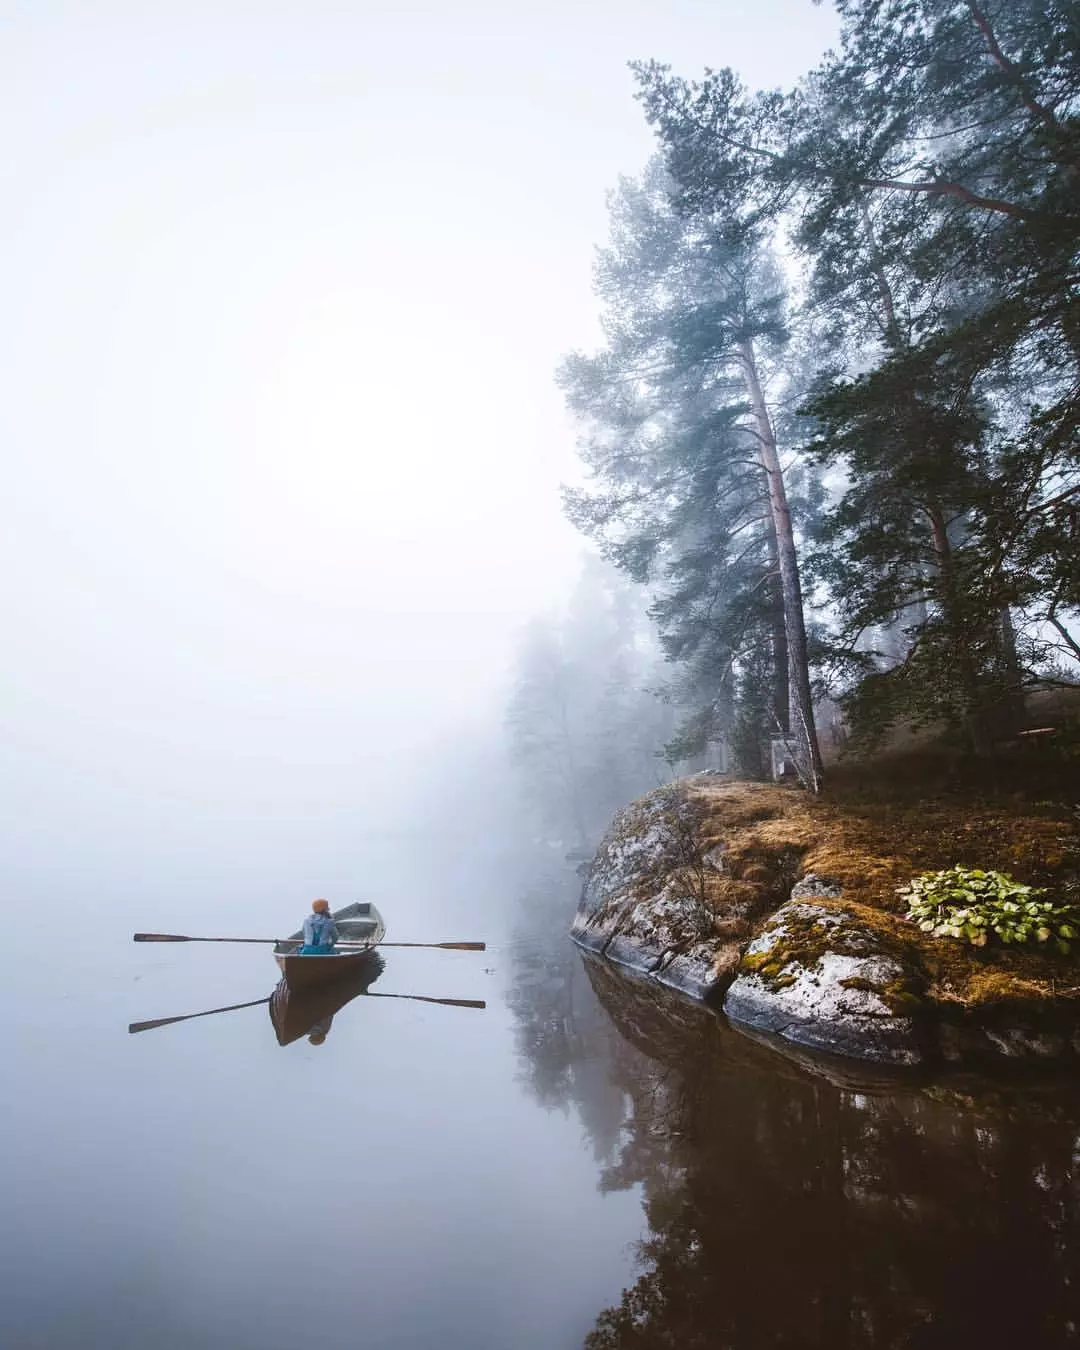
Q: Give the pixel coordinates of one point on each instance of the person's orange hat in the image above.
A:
(320, 906)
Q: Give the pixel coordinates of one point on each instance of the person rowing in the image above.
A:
(320, 931)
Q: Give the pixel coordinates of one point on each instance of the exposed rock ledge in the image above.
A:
(709, 889)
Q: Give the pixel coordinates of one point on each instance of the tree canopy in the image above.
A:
(867, 281)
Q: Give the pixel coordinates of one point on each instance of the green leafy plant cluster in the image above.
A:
(966, 903)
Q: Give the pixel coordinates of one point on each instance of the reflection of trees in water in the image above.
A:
(792, 1210)
(565, 1039)
(788, 1211)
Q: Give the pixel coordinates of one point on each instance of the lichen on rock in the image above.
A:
(645, 903)
(792, 902)
(824, 977)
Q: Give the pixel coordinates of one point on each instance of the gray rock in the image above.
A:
(634, 953)
(645, 843)
(812, 887)
(969, 1041)
(703, 972)
(594, 933)
(836, 999)
(635, 910)
(1019, 1042)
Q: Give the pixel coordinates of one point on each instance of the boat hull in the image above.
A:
(359, 922)
(308, 972)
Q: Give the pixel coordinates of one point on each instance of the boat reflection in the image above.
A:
(311, 1012)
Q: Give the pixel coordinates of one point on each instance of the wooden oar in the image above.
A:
(418, 998)
(442, 946)
(425, 998)
(164, 1021)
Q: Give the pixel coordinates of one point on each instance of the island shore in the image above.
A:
(782, 909)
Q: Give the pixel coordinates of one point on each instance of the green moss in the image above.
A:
(900, 999)
(871, 833)
(801, 939)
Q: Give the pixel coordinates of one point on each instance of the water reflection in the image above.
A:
(296, 1013)
(311, 1012)
(805, 1204)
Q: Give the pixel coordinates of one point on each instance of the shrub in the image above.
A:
(969, 904)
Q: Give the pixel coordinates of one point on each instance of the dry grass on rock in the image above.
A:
(872, 843)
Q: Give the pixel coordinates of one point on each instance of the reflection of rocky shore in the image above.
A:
(787, 1211)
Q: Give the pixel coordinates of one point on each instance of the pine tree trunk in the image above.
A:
(790, 585)
(781, 659)
(971, 694)
(1014, 707)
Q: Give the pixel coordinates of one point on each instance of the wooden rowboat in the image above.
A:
(360, 922)
(305, 1012)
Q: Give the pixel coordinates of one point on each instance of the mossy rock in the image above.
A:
(823, 975)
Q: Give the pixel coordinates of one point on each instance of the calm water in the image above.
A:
(585, 1162)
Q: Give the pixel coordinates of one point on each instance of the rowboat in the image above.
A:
(359, 922)
(309, 1012)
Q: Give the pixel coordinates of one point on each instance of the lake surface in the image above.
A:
(588, 1161)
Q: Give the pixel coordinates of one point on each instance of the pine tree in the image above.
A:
(928, 172)
(688, 490)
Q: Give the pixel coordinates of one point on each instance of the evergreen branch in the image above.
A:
(1012, 71)
(1074, 647)
(738, 529)
(944, 187)
(1053, 501)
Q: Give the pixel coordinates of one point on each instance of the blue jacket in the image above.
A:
(319, 930)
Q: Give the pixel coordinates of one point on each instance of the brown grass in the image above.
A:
(881, 824)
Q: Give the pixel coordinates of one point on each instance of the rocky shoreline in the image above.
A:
(712, 890)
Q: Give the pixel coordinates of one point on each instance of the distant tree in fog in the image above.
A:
(585, 729)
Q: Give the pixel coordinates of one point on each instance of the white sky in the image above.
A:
(284, 289)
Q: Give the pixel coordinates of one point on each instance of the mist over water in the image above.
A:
(290, 609)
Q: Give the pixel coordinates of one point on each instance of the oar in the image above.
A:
(164, 1021)
(424, 998)
(418, 998)
(442, 946)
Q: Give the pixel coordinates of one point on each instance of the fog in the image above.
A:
(285, 286)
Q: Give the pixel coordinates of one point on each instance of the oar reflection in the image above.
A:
(310, 1012)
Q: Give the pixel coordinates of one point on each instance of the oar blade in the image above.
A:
(427, 998)
(133, 1027)
(189, 1017)
(160, 937)
(441, 946)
